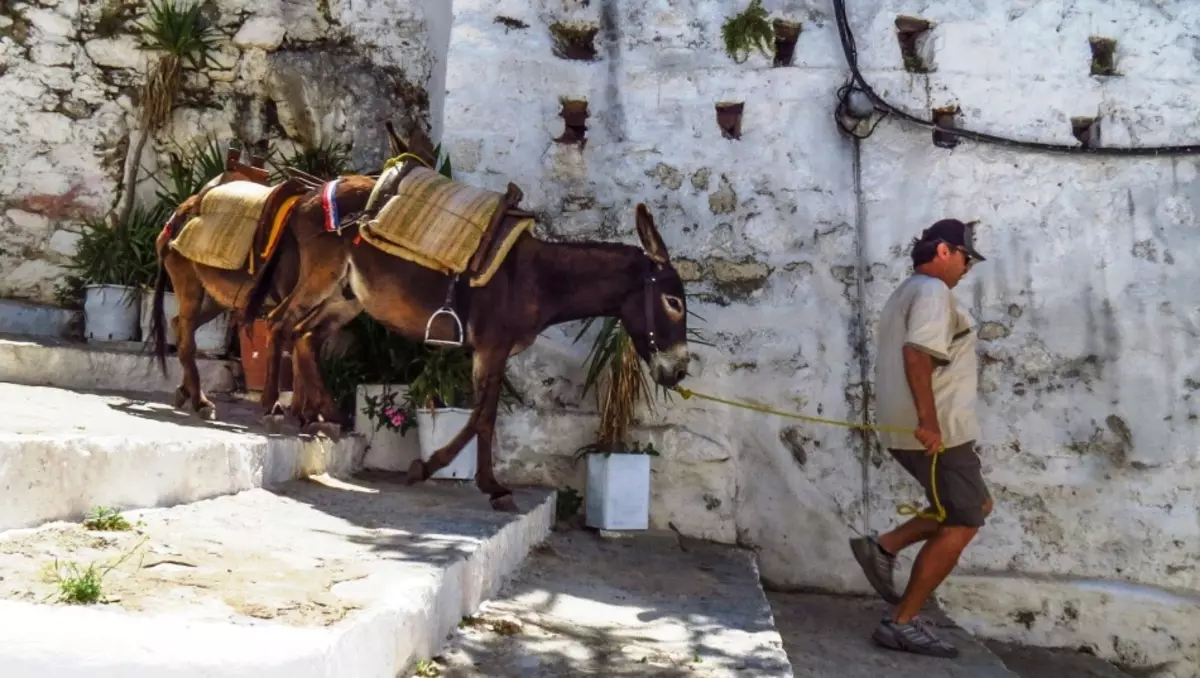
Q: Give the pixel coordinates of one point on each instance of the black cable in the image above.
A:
(860, 83)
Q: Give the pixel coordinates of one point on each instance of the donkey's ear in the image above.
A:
(420, 144)
(648, 234)
(394, 140)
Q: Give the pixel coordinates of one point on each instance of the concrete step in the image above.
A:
(586, 605)
(115, 366)
(38, 320)
(828, 635)
(64, 452)
(319, 579)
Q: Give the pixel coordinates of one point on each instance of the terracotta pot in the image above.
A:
(253, 342)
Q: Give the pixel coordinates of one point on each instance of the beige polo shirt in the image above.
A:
(923, 313)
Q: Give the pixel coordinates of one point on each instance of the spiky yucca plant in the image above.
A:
(182, 36)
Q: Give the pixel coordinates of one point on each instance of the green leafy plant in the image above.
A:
(183, 37)
(84, 585)
(105, 519)
(325, 161)
(746, 31)
(119, 256)
(188, 170)
(615, 370)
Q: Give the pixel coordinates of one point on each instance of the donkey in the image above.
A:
(539, 284)
(204, 292)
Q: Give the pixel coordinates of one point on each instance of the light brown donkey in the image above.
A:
(531, 284)
(234, 255)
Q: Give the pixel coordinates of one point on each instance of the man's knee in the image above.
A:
(987, 507)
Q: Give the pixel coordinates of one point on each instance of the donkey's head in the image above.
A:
(655, 315)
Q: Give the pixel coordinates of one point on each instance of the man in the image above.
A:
(925, 382)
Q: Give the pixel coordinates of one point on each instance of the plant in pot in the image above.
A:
(375, 374)
(186, 172)
(110, 264)
(618, 469)
(441, 396)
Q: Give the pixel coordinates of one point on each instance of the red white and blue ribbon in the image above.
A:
(333, 222)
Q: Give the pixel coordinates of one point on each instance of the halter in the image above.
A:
(648, 287)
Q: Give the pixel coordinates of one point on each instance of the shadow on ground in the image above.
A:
(585, 605)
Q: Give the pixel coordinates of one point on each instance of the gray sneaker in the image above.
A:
(877, 565)
(915, 637)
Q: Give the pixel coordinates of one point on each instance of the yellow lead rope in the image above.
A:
(903, 509)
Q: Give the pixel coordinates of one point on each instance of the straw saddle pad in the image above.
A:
(438, 223)
(222, 234)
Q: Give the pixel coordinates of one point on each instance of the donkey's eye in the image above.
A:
(674, 305)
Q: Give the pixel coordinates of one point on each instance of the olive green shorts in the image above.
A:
(959, 481)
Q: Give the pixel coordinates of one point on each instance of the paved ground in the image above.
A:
(830, 636)
(585, 605)
(1034, 662)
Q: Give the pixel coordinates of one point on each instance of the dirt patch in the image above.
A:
(164, 571)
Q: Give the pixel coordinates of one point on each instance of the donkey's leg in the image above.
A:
(420, 470)
(190, 293)
(489, 380)
(320, 408)
(273, 416)
(333, 317)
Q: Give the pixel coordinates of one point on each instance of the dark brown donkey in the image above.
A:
(539, 284)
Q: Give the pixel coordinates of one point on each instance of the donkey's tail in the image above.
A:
(158, 324)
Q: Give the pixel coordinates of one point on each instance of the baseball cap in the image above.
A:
(953, 232)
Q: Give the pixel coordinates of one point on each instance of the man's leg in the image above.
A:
(967, 502)
(877, 555)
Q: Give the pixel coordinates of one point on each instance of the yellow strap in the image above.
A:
(903, 509)
(281, 216)
(401, 158)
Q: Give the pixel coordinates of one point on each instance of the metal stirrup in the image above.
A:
(445, 310)
(442, 342)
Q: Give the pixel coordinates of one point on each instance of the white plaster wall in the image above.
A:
(763, 226)
(334, 70)
(1087, 309)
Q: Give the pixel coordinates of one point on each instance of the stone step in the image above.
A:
(64, 452)
(652, 605)
(318, 579)
(37, 320)
(113, 366)
(829, 635)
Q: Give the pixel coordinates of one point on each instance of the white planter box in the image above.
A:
(387, 450)
(437, 428)
(618, 491)
(210, 337)
(110, 312)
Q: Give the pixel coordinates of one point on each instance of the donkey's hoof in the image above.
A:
(273, 423)
(179, 399)
(207, 412)
(505, 504)
(416, 472)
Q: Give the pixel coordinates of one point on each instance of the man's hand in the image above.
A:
(930, 435)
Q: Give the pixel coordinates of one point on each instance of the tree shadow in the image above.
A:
(585, 605)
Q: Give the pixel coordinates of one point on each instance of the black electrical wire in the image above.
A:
(860, 83)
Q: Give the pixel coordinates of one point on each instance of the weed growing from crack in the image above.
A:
(105, 519)
(83, 586)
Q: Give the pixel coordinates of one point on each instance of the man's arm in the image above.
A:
(918, 368)
(927, 343)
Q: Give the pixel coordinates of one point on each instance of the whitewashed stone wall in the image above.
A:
(1087, 308)
(288, 71)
